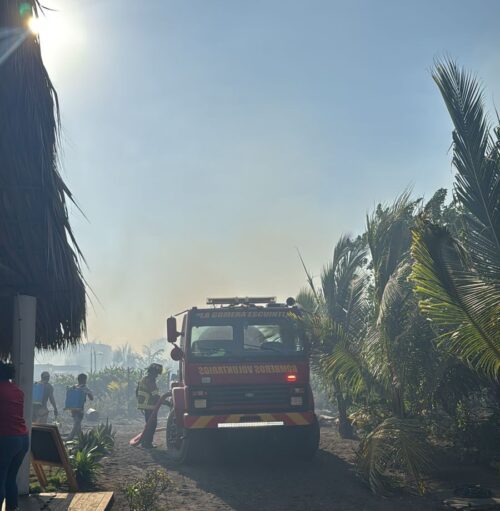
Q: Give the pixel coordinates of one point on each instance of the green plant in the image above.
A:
(394, 444)
(143, 495)
(100, 439)
(458, 279)
(106, 433)
(85, 465)
(56, 480)
(336, 317)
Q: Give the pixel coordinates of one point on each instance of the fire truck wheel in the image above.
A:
(179, 445)
(310, 441)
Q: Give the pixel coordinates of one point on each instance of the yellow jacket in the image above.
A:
(147, 393)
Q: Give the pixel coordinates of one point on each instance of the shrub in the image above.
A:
(143, 495)
(101, 440)
(85, 465)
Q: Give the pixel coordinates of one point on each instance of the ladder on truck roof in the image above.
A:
(236, 300)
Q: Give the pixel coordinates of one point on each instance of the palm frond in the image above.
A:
(358, 308)
(345, 365)
(338, 278)
(307, 300)
(395, 294)
(395, 443)
(388, 237)
(476, 159)
(458, 301)
(435, 204)
(310, 280)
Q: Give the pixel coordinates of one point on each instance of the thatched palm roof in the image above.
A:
(38, 253)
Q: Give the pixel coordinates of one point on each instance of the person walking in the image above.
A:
(46, 392)
(14, 438)
(148, 395)
(78, 413)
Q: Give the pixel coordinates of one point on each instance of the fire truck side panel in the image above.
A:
(179, 401)
(248, 373)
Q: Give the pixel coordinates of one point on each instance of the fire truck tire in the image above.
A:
(309, 444)
(179, 444)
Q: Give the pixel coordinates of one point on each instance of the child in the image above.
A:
(77, 414)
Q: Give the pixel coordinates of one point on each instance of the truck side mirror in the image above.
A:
(172, 333)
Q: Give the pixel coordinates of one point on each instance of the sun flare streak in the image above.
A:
(10, 42)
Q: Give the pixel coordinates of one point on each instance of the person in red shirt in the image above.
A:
(14, 439)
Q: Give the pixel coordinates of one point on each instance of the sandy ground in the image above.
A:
(249, 483)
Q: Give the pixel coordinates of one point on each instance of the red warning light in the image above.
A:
(291, 378)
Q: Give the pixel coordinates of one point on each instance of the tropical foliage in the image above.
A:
(100, 440)
(458, 279)
(404, 321)
(87, 451)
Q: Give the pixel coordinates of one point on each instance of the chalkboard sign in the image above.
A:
(47, 448)
(44, 445)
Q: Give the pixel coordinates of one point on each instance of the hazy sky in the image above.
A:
(206, 140)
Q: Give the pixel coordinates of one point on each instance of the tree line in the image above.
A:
(404, 319)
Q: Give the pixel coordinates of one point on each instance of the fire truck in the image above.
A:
(243, 370)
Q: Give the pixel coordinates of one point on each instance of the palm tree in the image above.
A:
(388, 236)
(124, 356)
(371, 339)
(38, 252)
(151, 355)
(458, 280)
(337, 317)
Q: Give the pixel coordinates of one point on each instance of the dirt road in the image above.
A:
(326, 484)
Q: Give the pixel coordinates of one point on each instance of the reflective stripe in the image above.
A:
(202, 421)
(146, 407)
(298, 418)
(213, 421)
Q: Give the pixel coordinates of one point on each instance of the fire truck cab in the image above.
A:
(243, 368)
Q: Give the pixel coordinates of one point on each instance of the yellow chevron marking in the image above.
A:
(202, 421)
(298, 419)
(233, 418)
(267, 417)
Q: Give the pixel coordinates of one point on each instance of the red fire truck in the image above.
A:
(243, 369)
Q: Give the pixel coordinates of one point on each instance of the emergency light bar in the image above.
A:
(236, 300)
(249, 424)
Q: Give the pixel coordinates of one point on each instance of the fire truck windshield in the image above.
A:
(236, 338)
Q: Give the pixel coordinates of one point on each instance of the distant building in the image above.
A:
(53, 369)
(93, 356)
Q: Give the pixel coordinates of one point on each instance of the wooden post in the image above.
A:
(23, 357)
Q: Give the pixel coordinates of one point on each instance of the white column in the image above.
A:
(23, 357)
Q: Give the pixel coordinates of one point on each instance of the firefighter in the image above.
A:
(40, 410)
(147, 394)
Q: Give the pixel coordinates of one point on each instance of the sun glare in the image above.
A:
(34, 25)
(61, 36)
